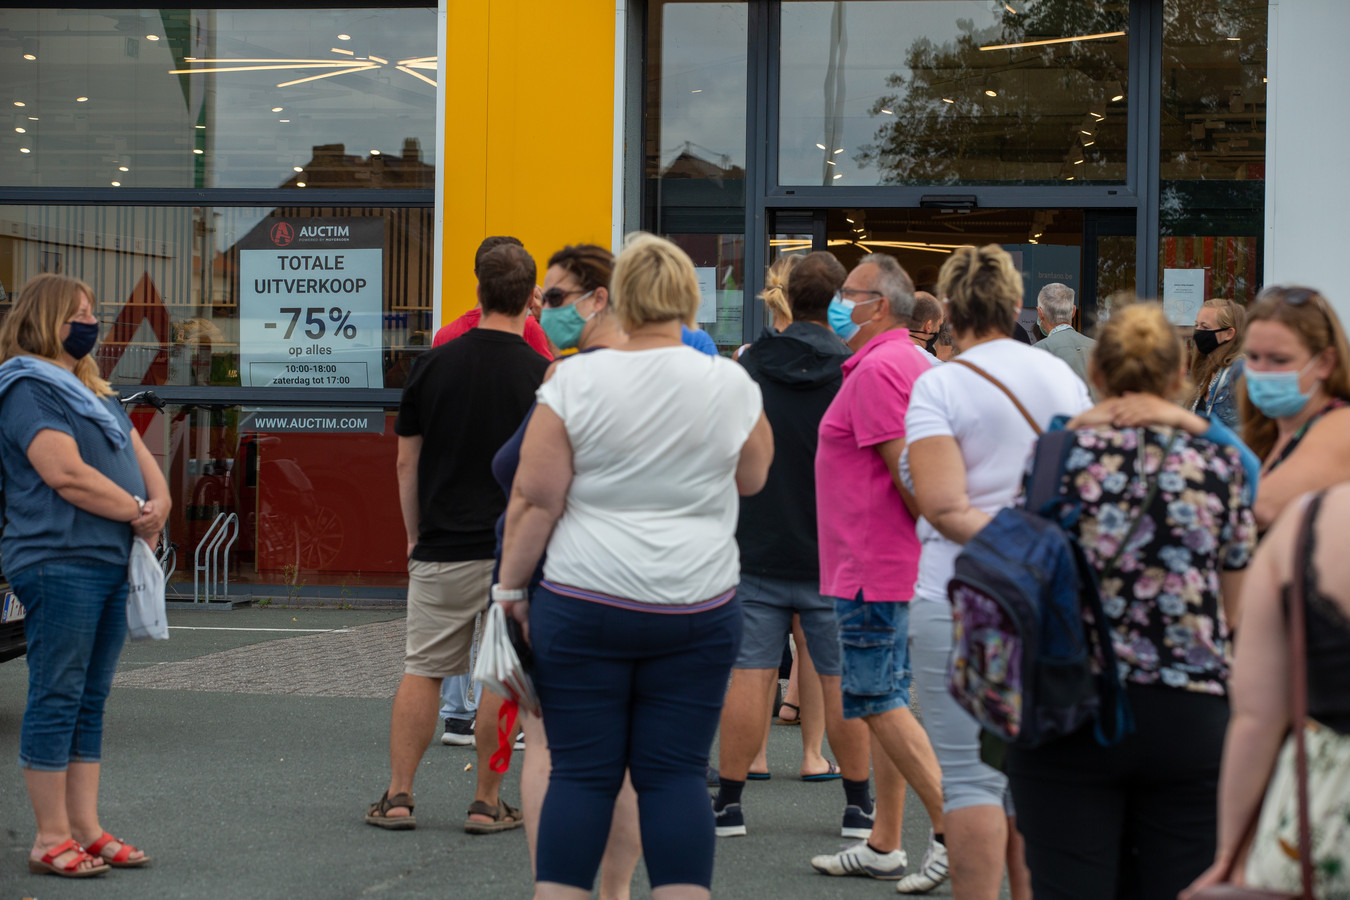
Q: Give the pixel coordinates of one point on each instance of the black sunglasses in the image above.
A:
(555, 296)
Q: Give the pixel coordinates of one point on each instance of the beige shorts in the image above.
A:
(443, 599)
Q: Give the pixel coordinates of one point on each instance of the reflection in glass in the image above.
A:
(976, 92)
(1213, 163)
(695, 105)
(719, 260)
(220, 98)
(167, 282)
(303, 520)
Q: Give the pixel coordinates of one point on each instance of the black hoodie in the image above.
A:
(798, 372)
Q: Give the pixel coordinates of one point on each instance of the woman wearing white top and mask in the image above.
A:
(629, 475)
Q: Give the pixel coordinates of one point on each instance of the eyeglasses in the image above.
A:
(555, 296)
(876, 295)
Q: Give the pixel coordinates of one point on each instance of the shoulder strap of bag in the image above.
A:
(1298, 682)
(1002, 387)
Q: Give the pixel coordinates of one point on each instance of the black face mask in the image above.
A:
(82, 338)
(1207, 341)
(931, 345)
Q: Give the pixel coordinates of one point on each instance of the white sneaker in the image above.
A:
(860, 859)
(932, 872)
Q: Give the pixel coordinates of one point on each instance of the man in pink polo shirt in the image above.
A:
(869, 559)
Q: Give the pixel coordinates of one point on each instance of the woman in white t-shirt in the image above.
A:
(969, 441)
(629, 474)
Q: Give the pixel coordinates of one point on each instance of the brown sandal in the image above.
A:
(504, 817)
(378, 814)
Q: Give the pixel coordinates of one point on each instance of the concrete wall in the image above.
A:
(1308, 127)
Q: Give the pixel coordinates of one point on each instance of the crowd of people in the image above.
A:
(660, 523)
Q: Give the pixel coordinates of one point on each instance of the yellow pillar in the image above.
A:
(529, 131)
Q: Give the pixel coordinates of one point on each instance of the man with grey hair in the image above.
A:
(869, 559)
(1054, 313)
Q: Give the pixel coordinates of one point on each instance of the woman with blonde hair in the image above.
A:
(78, 485)
(967, 445)
(1295, 396)
(1216, 362)
(1164, 519)
(775, 297)
(629, 475)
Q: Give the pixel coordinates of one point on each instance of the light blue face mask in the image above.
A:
(841, 318)
(1277, 394)
(564, 324)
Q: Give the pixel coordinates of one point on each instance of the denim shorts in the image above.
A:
(76, 626)
(875, 640)
(768, 605)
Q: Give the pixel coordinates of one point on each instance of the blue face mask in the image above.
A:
(82, 338)
(841, 318)
(1277, 394)
(564, 324)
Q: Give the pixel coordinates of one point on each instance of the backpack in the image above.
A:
(1027, 619)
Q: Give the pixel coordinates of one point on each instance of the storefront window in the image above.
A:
(1213, 163)
(285, 475)
(950, 91)
(239, 296)
(219, 98)
(695, 110)
(719, 260)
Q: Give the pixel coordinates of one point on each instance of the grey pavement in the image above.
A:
(242, 753)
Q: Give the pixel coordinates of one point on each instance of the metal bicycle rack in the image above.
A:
(216, 543)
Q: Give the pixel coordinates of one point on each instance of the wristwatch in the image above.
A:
(502, 595)
(140, 505)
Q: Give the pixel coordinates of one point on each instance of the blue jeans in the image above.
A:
(76, 626)
(875, 641)
(642, 691)
(459, 697)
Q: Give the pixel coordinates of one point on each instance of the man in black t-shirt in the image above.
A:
(463, 400)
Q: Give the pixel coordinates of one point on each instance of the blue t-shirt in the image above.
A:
(39, 525)
(698, 339)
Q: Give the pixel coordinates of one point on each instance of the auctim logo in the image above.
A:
(282, 234)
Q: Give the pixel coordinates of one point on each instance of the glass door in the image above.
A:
(1091, 251)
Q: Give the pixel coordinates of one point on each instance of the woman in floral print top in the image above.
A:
(1143, 811)
(1163, 597)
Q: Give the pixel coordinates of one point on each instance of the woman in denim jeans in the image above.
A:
(78, 484)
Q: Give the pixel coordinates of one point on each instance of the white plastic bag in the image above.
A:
(498, 667)
(145, 594)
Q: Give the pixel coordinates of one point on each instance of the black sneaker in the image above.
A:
(857, 824)
(730, 820)
(458, 732)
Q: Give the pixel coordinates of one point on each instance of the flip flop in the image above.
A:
(829, 774)
(47, 865)
(758, 776)
(795, 720)
(378, 814)
(119, 860)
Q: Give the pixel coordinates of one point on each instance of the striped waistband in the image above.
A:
(636, 605)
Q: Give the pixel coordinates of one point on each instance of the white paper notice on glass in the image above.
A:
(707, 291)
(1183, 294)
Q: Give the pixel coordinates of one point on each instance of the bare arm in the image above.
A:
(538, 496)
(409, 452)
(1321, 459)
(55, 457)
(1230, 591)
(1135, 410)
(890, 454)
(940, 488)
(756, 455)
(1259, 690)
(157, 501)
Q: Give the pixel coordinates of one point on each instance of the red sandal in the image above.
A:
(47, 865)
(119, 860)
